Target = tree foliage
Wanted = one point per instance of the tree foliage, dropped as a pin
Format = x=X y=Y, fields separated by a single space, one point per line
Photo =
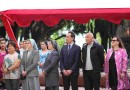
x=99 y=27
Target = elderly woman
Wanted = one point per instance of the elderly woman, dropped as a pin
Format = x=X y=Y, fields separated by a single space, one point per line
x=29 y=68
x=11 y=67
x=50 y=68
x=116 y=66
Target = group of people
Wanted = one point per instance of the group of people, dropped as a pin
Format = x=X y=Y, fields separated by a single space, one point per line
x=29 y=62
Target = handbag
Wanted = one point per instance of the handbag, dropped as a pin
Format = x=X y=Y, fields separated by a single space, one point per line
x=22 y=77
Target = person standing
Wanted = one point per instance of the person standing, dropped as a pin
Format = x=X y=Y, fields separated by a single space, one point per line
x=29 y=67
x=3 y=52
x=50 y=67
x=23 y=46
x=11 y=67
x=43 y=53
x=69 y=60
x=93 y=60
x=116 y=66
x=21 y=50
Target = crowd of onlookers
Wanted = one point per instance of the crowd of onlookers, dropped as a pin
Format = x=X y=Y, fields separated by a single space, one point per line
x=22 y=66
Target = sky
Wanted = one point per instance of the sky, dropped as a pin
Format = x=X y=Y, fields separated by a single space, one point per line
x=62 y=4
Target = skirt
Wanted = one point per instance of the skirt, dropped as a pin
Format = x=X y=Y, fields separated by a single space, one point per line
x=31 y=83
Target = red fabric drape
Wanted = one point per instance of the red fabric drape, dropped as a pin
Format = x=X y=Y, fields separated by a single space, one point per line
x=52 y=17
x=8 y=29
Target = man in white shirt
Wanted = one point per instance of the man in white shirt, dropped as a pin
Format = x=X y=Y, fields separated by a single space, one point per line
x=23 y=47
x=93 y=60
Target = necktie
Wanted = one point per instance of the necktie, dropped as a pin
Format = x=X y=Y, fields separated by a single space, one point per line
x=68 y=49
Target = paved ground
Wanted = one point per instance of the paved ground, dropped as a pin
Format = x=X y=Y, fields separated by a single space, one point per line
x=61 y=88
x=80 y=88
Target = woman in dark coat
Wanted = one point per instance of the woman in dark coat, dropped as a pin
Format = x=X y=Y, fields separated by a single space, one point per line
x=50 y=68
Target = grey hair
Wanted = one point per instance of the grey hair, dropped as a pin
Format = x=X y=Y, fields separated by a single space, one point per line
x=91 y=34
x=55 y=46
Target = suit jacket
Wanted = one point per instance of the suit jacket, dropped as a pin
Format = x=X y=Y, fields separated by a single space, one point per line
x=70 y=60
x=51 y=68
x=96 y=55
x=30 y=63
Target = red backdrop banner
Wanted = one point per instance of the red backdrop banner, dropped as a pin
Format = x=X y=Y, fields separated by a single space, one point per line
x=51 y=17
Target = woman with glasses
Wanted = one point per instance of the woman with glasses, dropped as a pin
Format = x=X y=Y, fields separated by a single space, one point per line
x=116 y=66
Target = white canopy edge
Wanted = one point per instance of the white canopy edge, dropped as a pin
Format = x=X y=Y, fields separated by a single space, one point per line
x=62 y=4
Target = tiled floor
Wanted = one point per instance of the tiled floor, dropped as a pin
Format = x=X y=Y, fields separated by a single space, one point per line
x=61 y=88
x=80 y=88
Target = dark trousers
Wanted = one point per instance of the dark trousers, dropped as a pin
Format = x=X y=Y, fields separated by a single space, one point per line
x=12 y=84
x=91 y=80
x=52 y=88
x=70 y=80
x=114 y=88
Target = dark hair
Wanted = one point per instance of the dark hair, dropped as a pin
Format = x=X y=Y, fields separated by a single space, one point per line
x=24 y=41
x=72 y=35
x=10 y=40
x=20 y=42
x=120 y=41
x=12 y=43
x=45 y=41
x=2 y=39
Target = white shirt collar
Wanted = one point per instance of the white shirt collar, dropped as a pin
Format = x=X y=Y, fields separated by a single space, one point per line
x=71 y=44
x=91 y=44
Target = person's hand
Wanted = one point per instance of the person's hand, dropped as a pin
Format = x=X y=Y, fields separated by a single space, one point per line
x=1 y=70
x=41 y=64
x=106 y=76
x=64 y=72
x=5 y=71
x=43 y=72
x=122 y=75
x=68 y=72
x=24 y=73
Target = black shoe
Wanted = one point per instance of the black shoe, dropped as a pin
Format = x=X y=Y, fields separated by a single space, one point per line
x=3 y=87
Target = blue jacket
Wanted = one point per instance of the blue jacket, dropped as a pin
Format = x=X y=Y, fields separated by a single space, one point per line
x=70 y=61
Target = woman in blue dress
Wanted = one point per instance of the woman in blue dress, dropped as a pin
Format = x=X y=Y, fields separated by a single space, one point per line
x=43 y=55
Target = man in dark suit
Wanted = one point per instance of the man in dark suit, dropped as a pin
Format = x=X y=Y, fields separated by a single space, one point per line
x=69 y=59
x=93 y=60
